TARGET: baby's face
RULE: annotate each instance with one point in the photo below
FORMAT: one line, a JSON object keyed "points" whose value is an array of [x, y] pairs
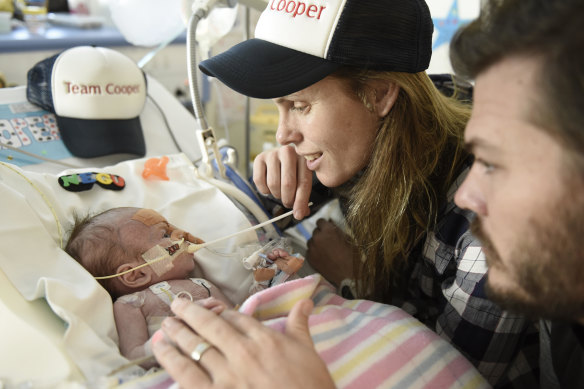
{"points": [[146, 229]]}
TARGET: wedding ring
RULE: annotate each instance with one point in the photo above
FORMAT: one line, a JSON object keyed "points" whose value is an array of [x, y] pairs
{"points": [[200, 350]]}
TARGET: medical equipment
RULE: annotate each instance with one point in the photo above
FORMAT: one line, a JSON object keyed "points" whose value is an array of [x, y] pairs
{"points": [[160, 258], [155, 256]]}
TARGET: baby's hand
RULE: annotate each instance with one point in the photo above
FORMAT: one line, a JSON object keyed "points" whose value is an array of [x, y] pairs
{"points": [[213, 304], [278, 253], [290, 264]]}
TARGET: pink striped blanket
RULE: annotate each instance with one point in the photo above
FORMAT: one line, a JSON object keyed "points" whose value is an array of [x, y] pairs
{"points": [[367, 344], [364, 344]]}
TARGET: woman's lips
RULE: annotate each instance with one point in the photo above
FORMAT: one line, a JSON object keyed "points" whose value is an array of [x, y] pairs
{"points": [[312, 160]]}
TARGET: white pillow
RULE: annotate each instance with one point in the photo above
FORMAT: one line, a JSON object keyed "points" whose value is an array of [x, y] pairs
{"points": [[37, 213]]}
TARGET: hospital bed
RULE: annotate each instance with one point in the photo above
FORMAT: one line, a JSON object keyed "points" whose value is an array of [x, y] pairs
{"points": [[57, 322]]}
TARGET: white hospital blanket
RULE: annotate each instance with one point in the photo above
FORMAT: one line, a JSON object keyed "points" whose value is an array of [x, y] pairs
{"points": [[36, 214]]}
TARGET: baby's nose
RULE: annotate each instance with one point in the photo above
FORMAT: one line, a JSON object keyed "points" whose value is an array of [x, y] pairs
{"points": [[177, 234]]}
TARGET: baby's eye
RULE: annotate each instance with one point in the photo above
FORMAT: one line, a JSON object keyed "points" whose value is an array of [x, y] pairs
{"points": [[166, 235]]}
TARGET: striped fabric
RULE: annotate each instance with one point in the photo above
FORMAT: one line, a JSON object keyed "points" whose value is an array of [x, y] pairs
{"points": [[367, 344]]}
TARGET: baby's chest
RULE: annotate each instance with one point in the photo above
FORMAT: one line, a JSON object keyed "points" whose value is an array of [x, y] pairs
{"points": [[160, 296]]}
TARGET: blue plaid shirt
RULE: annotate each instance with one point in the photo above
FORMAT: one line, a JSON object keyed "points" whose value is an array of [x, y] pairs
{"points": [[446, 292]]}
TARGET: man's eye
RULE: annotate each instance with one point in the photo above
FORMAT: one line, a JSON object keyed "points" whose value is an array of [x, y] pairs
{"points": [[488, 167]]}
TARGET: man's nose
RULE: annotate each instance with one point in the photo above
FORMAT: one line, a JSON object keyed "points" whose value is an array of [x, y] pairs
{"points": [[469, 195]]}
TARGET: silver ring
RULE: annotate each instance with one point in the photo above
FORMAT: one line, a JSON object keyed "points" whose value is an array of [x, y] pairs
{"points": [[200, 350]]}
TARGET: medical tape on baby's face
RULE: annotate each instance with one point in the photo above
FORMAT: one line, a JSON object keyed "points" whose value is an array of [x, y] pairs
{"points": [[160, 258]]}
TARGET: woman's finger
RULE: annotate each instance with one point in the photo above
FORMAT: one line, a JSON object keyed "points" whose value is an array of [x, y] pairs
{"points": [[259, 174], [179, 366], [206, 324], [273, 174], [288, 175], [303, 189], [297, 322], [189, 342], [229, 331]]}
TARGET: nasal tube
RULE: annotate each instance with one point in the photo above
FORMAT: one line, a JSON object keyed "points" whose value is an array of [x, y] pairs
{"points": [[197, 246]]}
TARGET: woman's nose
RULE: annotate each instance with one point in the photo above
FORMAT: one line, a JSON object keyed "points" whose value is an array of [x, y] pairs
{"points": [[287, 133]]}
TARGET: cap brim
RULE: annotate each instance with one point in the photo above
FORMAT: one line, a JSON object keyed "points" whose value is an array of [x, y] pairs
{"points": [[264, 70], [95, 138]]}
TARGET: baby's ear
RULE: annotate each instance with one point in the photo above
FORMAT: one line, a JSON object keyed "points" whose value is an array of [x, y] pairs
{"points": [[135, 279]]}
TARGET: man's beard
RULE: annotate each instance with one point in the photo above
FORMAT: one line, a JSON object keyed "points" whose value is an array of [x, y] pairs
{"points": [[546, 265]]}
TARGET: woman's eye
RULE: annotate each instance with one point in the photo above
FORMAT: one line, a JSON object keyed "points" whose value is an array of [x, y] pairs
{"points": [[299, 107]]}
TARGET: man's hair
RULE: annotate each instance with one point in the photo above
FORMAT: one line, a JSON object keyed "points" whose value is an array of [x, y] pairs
{"points": [[547, 30], [95, 243]]}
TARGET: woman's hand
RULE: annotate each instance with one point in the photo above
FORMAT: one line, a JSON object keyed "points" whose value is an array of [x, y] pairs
{"points": [[330, 253], [244, 352], [283, 174]]}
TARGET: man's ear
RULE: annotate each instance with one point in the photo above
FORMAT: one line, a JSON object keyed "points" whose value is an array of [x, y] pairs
{"points": [[385, 94], [135, 279]]}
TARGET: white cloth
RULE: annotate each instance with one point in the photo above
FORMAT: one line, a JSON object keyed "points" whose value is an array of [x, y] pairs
{"points": [[33, 261]]}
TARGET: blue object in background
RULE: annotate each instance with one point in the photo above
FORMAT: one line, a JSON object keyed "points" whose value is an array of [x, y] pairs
{"points": [[445, 28], [33, 131]]}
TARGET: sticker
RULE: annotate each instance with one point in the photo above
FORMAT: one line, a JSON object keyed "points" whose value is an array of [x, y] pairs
{"points": [[161, 287], [84, 181], [148, 217]]}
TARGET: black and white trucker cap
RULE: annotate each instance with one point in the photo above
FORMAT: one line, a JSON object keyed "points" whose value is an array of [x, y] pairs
{"points": [[299, 42], [97, 95]]}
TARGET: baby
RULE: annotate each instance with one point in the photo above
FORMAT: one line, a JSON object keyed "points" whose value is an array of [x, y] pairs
{"points": [[121, 242], [120, 239]]}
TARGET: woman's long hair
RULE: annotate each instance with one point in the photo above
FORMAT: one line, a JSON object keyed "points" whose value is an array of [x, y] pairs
{"points": [[417, 154]]}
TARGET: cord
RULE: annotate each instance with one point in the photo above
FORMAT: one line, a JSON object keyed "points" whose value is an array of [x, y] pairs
{"points": [[39, 156], [165, 120]]}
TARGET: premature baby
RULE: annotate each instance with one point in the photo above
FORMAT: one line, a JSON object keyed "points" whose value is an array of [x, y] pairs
{"points": [[120, 239]]}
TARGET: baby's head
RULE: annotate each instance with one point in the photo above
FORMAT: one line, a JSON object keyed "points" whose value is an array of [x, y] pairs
{"points": [[115, 241]]}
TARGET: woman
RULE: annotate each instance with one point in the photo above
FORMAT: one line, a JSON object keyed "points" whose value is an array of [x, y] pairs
{"points": [[357, 109], [394, 170]]}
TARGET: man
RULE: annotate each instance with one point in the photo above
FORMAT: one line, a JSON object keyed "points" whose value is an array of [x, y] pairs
{"points": [[526, 184]]}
